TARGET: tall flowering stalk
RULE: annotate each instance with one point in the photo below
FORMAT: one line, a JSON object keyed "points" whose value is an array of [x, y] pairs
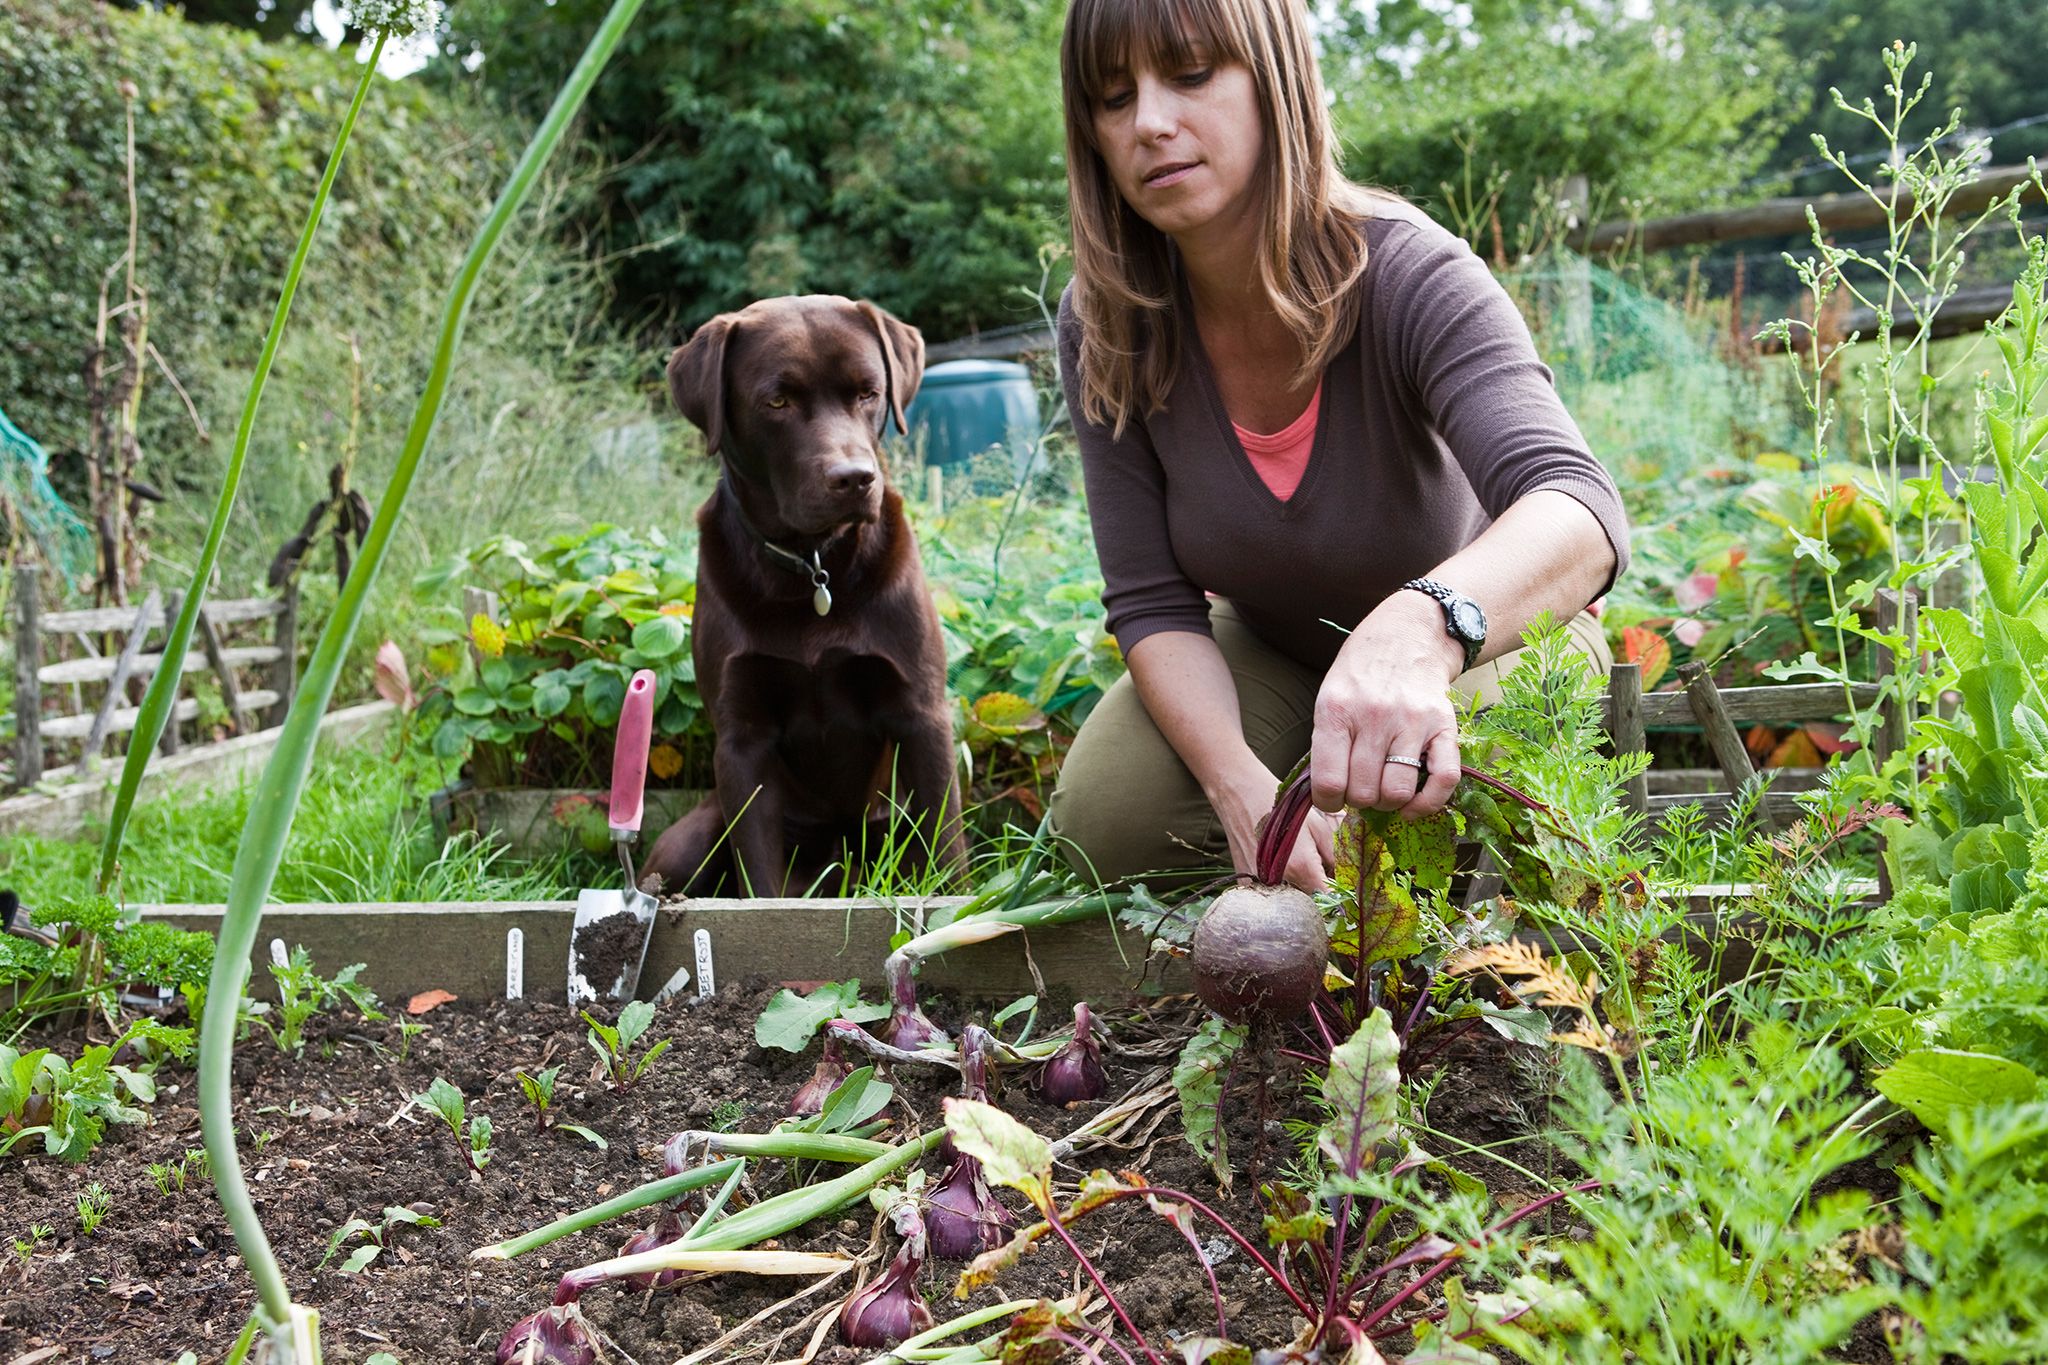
{"points": [[383, 20], [293, 1328]]}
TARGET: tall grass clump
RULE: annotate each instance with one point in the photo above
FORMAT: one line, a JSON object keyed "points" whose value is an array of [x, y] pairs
{"points": [[381, 19], [292, 1328]]}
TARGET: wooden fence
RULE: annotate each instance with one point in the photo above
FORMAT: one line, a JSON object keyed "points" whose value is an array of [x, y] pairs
{"points": [[73, 650]]}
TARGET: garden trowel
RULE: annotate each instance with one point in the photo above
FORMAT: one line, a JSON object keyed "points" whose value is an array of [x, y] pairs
{"points": [[608, 941]]}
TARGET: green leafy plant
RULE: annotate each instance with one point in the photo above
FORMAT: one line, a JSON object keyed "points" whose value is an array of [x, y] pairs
{"points": [[70, 1103], [539, 1089], [408, 1029], [789, 1021], [582, 612], [376, 1236], [93, 1206], [614, 1045], [25, 1247], [472, 1135], [303, 993]]}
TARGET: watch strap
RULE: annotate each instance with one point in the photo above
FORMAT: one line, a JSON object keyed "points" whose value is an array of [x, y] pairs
{"points": [[1445, 598]]}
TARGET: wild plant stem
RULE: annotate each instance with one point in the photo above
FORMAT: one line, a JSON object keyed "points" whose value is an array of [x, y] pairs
{"points": [[163, 685]]}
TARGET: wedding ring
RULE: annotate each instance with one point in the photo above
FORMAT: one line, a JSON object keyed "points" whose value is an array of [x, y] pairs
{"points": [[1414, 763]]}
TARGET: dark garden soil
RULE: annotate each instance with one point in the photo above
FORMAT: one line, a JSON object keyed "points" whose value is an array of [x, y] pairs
{"points": [[330, 1136]]}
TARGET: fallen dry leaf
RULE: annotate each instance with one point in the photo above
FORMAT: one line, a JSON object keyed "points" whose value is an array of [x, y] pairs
{"points": [[429, 1000]]}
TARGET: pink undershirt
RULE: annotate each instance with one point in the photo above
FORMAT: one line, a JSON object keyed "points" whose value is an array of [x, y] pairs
{"points": [[1281, 457]]}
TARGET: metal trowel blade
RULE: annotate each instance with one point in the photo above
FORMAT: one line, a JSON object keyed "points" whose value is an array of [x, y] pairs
{"points": [[605, 954]]}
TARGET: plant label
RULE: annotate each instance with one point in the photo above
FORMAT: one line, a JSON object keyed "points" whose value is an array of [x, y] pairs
{"points": [[673, 986], [515, 964], [278, 956], [705, 987]]}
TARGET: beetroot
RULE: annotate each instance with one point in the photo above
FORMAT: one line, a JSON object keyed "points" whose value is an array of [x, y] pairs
{"points": [[1259, 951]]}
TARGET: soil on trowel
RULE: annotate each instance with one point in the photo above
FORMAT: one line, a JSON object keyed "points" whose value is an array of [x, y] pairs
{"points": [[605, 947]]}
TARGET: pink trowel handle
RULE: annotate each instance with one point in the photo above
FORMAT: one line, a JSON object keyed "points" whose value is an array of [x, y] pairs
{"points": [[629, 755]]}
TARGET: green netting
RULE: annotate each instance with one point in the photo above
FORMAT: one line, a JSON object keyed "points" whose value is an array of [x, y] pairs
{"points": [[34, 511], [1652, 387]]}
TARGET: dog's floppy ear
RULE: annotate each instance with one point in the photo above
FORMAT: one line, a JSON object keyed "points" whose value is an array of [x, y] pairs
{"points": [[902, 359], [696, 378]]}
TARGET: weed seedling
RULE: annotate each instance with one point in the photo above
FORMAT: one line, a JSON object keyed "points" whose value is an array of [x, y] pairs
{"points": [[377, 1237], [472, 1138], [93, 1207], [25, 1247], [303, 993], [614, 1046], [408, 1029], [169, 1178]]}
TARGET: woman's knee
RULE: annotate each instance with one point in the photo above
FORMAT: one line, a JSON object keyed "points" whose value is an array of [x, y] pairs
{"points": [[1125, 803]]}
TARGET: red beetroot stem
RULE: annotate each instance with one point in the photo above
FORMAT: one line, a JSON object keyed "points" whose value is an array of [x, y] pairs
{"points": [[1444, 1263], [1052, 1220], [1283, 827], [1244, 1245]]}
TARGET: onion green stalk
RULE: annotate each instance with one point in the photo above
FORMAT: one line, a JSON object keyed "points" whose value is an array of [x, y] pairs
{"points": [[953, 1327], [284, 776], [907, 1027], [170, 669], [798, 1146], [773, 1217], [639, 1197], [718, 1201]]}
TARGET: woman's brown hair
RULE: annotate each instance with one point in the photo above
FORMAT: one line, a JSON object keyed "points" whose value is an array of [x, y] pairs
{"points": [[1312, 247]]}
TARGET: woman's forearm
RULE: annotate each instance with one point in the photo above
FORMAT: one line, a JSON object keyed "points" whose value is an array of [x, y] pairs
{"points": [[1545, 553], [1188, 691]]}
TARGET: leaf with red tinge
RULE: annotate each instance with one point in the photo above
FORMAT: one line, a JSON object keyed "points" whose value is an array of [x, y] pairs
{"points": [[1796, 751], [427, 1001], [1649, 651], [1696, 591]]}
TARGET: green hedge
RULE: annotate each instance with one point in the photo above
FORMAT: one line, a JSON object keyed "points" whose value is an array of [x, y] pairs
{"points": [[230, 137]]}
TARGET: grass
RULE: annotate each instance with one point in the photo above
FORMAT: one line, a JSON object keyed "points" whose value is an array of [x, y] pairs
{"points": [[363, 833]]}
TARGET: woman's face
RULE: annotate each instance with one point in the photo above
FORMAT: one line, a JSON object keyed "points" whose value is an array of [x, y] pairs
{"points": [[1182, 146]]}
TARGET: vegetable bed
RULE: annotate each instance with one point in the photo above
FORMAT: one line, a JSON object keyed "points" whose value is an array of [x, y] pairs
{"points": [[330, 1137]]}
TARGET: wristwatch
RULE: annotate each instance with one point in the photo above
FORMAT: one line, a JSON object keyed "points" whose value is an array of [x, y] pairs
{"points": [[1463, 620]]}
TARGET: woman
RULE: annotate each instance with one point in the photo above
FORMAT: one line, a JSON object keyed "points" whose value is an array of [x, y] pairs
{"points": [[1303, 409]]}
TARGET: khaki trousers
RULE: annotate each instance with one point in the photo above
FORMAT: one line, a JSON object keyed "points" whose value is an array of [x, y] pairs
{"points": [[1126, 804]]}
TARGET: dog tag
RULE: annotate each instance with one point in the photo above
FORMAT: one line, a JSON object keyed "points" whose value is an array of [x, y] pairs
{"points": [[515, 964], [821, 599]]}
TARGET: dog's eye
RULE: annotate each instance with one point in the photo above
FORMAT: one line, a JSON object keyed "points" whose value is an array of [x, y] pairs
{"points": [[870, 395], [778, 402]]}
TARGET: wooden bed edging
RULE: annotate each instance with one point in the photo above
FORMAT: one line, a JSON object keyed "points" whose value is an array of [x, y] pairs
{"points": [[460, 947]]}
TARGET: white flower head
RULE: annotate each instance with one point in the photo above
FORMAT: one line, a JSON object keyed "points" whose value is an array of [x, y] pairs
{"points": [[399, 18]]}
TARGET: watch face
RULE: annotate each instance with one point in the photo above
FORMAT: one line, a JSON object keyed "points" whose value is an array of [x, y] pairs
{"points": [[1468, 620]]}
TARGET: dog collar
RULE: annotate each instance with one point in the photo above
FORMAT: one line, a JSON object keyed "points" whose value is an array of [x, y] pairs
{"points": [[812, 568]]}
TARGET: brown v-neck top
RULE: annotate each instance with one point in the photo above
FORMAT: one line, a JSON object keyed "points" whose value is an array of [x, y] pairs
{"points": [[1436, 417]]}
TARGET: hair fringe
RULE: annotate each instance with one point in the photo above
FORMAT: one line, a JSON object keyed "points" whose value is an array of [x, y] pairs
{"points": [[1312, 249]]}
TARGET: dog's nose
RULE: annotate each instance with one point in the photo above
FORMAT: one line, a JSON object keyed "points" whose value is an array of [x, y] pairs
{"points": [[851, 480]]}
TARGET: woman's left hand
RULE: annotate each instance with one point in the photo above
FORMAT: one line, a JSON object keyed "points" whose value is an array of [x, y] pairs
{"points": [[1387, 699]]}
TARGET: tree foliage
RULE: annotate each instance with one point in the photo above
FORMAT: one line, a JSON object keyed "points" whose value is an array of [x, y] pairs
{"points": [[906, 153]]}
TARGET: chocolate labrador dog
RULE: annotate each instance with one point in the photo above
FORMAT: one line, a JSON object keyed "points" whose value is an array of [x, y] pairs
{"points": [[817, 646]]}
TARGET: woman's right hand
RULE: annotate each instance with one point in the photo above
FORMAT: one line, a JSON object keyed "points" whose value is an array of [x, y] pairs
{"points": [[1250, 801]]}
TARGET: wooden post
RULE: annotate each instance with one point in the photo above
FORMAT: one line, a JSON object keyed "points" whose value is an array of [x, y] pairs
{"points": [[170, 741], [1729, 750], [1575, 303], [1897, 614], [1625, 694], [124, 665], [216, 656], [284, 674], [28, 657]]}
